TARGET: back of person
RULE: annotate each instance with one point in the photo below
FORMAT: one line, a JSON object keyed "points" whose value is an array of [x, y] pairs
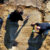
{"points": [[44, 25], [15, 16]]}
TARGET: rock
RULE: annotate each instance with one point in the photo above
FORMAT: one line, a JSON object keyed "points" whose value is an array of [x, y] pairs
{"points": [[47, 17], [34, 3], [47, 6]]}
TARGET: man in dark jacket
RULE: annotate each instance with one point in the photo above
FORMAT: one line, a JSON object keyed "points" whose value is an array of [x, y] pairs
{"points": [[12, 27], [42, 27]]}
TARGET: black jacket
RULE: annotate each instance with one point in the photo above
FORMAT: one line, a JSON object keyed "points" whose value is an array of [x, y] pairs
{"points": [[1, 1], [15, 16], [43, 25]]}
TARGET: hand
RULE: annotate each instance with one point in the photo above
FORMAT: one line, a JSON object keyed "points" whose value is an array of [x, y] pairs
{"points": [[38, 27], [32, 24]]}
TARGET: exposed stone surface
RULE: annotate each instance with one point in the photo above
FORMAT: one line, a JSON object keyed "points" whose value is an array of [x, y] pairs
{"points": [[48, 6], [47, 16], [34, 3]]}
